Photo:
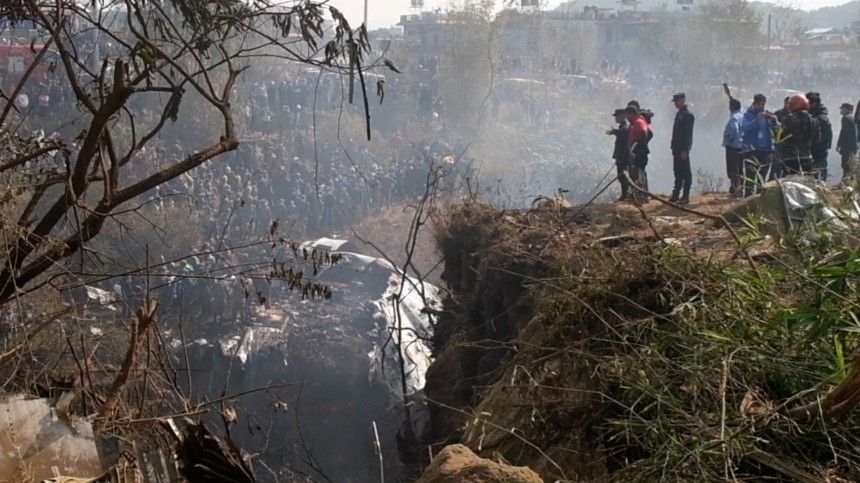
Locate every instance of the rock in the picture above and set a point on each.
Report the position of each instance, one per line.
(457, 463)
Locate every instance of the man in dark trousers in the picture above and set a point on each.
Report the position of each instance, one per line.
(801, 130)
(637, 141)
(682, 142)
(733, 141)
(824, 141)
(847, 143)
(621, 153)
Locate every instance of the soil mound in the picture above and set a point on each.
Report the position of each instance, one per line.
(458, 464)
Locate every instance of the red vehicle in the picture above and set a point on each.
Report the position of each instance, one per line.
(15, 58)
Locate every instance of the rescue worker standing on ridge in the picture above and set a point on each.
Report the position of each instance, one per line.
(733, 141)
(621, 153)
(847, 143)
(637, 145)
(800, 131)
(757, 125)
(682, 143)
(822, 143)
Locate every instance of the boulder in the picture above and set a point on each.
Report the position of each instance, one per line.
(457, 463)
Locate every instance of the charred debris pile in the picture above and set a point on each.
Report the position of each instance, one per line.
(613, 342)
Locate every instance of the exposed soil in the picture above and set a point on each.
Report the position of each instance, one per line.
(497, 384)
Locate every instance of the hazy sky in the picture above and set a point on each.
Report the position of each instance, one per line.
(383, 13)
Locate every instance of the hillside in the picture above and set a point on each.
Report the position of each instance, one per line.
(611, 343)
(840, 16)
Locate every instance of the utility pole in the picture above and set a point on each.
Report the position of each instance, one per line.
(365, 14)
(769, 18)
(769, 42)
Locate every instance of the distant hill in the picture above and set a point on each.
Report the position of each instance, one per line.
(837, 17)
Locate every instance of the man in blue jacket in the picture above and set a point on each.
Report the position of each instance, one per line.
(756, 126)
(733, 141)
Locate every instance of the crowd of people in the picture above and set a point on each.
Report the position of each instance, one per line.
(760, 145)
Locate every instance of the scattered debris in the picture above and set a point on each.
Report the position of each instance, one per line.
(786, 202)
(615, 241)
(38, 443)
(404, 323)
(103, 297)
(205, 457)
(254, 340)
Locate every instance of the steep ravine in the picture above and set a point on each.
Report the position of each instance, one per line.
(616, 343)
(491, 316)
(527, 292)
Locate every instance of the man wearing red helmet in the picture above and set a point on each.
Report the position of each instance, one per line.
(801, 129)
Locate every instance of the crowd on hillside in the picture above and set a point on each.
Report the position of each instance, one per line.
(760, 145)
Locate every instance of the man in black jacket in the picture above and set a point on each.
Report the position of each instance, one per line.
(621, 153)
(847, 143)
(824, 141)
(682, 142)
(800, 131)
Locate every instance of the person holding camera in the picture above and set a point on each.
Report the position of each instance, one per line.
(758, 139)
(621, 154)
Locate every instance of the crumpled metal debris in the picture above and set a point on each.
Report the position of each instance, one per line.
(103, 297)
(787, 202)
(254, 340)
(408, 325)
(800, 194)
(38, 443)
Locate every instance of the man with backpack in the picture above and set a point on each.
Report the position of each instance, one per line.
(801, 129)
(824, 141)
(682, 143)
(638, 137)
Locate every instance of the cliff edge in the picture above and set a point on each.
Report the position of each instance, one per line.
(613, 342)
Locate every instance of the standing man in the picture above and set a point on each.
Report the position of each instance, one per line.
(847, 143)
(757, 125)
(621, 153)
(824, 141)
(637, 145)
(857, 117)
(733, 141)
(781, 115)
(784, 112)
(682, 142)
(801, 128)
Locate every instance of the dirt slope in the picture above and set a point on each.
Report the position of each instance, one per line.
(541, 301)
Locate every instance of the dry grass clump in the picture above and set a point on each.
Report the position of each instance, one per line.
(712, 370)
(643, 362)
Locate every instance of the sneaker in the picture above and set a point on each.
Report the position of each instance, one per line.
(674, 198)
(684, 200)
